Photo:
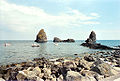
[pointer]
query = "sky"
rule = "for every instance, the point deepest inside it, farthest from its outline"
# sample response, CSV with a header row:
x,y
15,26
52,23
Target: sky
x,y
23,19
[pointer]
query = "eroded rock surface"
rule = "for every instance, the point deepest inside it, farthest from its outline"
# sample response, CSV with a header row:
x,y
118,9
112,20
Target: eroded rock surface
x,y
41,37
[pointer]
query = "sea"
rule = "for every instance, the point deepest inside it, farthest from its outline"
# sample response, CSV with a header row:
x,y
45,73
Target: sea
x,y
22,50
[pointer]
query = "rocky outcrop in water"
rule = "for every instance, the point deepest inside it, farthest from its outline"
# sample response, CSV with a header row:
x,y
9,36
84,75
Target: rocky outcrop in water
x,y
41,37
69,40
92,38
56,39
91,43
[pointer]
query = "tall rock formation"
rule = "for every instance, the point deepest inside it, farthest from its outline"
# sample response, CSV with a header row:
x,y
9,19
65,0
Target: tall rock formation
x,y
92,38
91,43
41,37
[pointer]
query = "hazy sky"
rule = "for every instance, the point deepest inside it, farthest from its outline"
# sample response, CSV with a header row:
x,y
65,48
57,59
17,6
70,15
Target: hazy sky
x,y
22,19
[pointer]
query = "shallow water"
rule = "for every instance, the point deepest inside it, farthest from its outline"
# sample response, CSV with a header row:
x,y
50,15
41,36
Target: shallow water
x,y
21,50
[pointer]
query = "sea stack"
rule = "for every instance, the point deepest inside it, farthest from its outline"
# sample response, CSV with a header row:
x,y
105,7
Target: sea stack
x,y
91,43
92,38
41,37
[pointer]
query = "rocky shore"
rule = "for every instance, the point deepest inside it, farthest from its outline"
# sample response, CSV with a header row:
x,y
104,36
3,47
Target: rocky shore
x,y
90,67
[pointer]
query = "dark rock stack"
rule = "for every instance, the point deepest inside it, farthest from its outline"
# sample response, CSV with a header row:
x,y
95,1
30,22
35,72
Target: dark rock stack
x,y
92,38
56,39
91,43
41,37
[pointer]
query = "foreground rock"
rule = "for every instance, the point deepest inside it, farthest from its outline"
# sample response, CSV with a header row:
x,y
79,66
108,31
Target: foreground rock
x,y
86,68
41,37
56,39
91,43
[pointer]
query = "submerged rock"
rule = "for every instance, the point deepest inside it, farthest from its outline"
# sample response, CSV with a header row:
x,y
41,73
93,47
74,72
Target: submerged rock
x,y
41,37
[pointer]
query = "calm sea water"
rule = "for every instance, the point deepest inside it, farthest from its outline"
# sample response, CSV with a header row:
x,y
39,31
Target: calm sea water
x,y
21,50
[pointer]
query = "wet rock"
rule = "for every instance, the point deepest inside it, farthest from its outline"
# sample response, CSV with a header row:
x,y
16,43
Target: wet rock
x,y
41,37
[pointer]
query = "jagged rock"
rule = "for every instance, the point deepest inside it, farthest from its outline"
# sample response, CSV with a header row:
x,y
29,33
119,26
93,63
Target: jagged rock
x,y
84,64
41,37
93,75
103,69
56,39
32,75
91,43
92,38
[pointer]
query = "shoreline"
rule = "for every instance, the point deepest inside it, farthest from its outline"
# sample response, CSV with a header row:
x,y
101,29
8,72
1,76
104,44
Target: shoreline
x,y
96,67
